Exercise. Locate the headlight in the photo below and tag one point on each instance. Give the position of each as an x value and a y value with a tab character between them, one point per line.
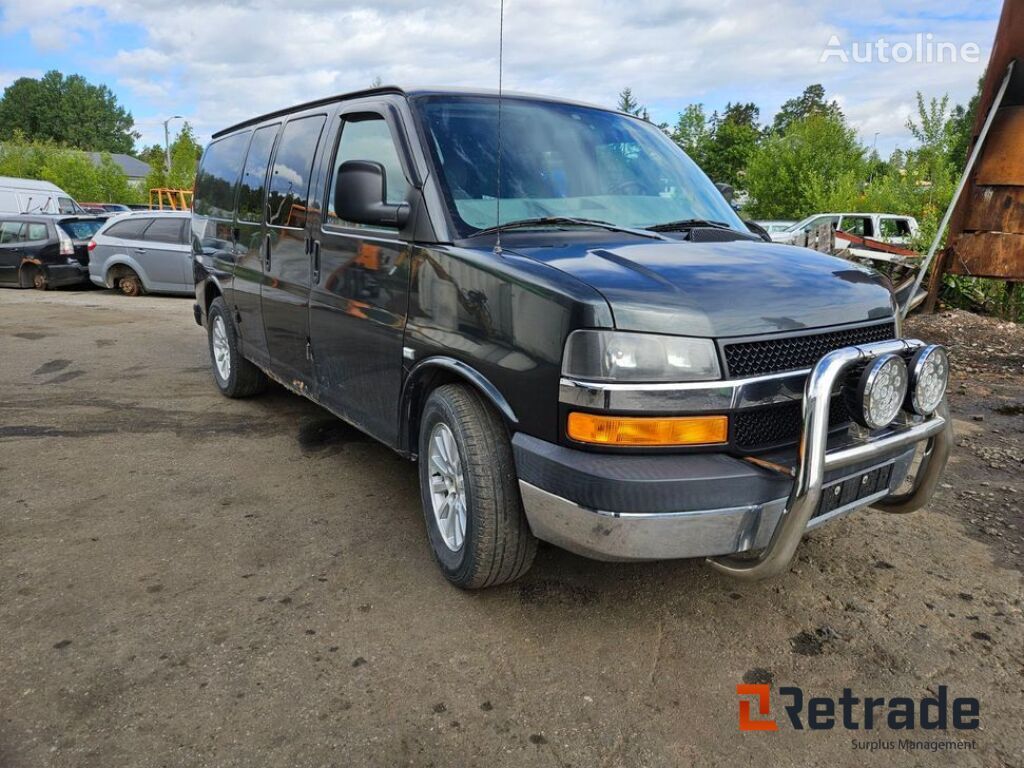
638	357
881	391
929	374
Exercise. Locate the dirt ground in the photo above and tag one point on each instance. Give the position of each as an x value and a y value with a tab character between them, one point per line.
187	580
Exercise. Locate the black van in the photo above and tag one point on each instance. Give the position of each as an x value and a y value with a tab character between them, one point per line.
621	369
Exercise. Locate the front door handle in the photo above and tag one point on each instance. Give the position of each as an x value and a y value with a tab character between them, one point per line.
316	262
266	257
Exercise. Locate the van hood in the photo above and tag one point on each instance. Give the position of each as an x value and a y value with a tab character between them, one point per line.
719	290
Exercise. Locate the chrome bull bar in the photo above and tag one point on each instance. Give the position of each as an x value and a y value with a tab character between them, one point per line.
815	460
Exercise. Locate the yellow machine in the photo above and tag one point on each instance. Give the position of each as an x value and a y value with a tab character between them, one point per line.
166	199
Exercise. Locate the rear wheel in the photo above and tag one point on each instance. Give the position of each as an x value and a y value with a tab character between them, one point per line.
474	515
235	376
39	280
130	284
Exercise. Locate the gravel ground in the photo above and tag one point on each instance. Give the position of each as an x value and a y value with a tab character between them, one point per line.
187	580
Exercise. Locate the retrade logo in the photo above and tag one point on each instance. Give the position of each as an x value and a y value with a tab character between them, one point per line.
761	694
856	713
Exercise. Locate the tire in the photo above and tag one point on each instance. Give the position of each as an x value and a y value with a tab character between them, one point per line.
235	376
130	284
496	545
39	280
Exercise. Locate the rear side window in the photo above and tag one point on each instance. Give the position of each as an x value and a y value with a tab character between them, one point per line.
129	229
862	226
81	230
218	176
11	232
895	228
293	166
254	177
166	230
37	232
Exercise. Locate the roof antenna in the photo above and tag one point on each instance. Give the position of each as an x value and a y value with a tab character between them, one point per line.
501	51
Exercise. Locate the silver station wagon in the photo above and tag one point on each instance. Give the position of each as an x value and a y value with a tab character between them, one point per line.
146	252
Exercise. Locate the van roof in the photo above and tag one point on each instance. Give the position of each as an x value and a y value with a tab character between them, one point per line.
394	89
11	181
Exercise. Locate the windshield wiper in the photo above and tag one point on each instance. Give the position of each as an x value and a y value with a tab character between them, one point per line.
684	224
554	221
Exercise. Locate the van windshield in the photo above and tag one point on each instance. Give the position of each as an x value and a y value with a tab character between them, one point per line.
562	160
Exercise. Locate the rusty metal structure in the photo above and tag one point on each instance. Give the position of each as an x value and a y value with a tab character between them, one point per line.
986	223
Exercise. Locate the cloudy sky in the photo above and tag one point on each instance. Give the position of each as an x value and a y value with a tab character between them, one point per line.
219	62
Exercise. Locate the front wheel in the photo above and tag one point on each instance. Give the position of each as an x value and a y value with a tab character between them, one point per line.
474	515
235	376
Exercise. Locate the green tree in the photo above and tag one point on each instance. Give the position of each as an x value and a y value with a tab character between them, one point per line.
693	133
68	110
961	128
629	104
185	154
734	138
811	102
791	174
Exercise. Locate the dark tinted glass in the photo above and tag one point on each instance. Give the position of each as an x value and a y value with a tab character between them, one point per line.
218	176
562	160
293	165
164	231
367	137
130	229
81	230
254	179
11	232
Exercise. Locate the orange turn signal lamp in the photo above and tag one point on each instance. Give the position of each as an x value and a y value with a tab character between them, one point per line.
648	431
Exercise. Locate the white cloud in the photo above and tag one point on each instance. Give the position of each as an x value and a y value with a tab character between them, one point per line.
232	60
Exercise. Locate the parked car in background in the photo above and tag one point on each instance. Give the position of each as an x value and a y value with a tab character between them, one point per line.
886	227
34	196
771	227
143	252
41	251
105	207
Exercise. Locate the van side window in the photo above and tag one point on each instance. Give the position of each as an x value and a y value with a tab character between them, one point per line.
367	137
130	229
293	166
218	176
254	177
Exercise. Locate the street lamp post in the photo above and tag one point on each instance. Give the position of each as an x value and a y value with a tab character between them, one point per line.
167	141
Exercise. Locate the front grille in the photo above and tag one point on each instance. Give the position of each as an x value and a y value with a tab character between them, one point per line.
779	425
791	353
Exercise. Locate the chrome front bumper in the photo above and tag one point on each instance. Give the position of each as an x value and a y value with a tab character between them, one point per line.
772	528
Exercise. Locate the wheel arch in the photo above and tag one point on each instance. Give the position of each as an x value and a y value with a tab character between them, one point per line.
114	269
429	374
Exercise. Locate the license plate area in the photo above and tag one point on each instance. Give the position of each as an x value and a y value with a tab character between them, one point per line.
846	492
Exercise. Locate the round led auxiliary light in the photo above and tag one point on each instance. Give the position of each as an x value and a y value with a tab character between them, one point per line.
881	391
929	374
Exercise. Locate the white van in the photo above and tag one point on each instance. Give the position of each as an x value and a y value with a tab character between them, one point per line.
32	196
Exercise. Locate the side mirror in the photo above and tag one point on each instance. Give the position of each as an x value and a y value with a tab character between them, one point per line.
360	196
727	191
